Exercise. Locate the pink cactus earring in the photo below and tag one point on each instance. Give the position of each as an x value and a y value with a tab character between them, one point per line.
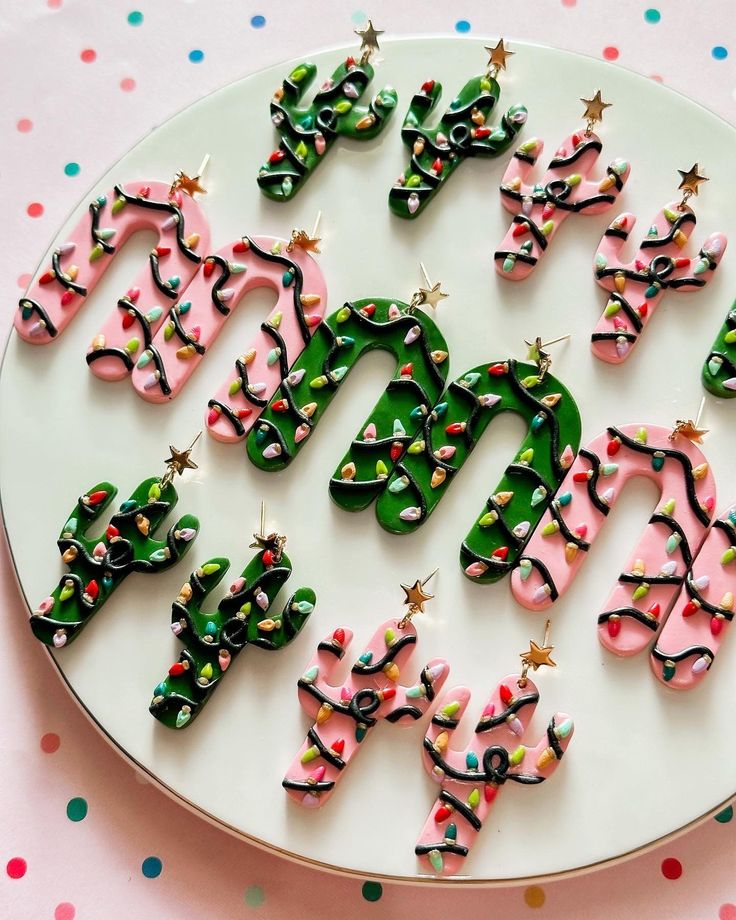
344	715
470	780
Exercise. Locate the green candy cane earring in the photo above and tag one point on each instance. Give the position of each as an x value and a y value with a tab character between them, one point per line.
465	130
308	132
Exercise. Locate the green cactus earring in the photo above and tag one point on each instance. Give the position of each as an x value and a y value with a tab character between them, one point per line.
465	130
307	132
97	567
243	617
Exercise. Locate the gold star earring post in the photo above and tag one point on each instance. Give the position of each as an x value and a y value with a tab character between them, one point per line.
690	180
415	597
178	461
594	109
368	41
190	185
430	295
497	57
537	656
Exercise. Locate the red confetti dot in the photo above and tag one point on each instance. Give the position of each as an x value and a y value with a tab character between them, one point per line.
569	2
610	53
656	77
127	84
34	209
24	125
50	741
24	280
54	4
727	912
65	911
89	55
671	868
16	867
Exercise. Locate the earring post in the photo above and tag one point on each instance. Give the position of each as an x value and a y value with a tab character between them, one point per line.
203	165
430	577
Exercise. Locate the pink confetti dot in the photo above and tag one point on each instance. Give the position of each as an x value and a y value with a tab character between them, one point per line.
610	53
656	77
569	3
50	741
54	4
727	912
16	867
23	281
34	209
89	55
65	911
24	125
127	84
671	868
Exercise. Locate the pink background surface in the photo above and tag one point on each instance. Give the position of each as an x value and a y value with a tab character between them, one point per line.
67	66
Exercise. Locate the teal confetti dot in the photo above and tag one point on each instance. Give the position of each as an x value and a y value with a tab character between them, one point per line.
135	18
195	56
652	15
723	817
258	22
76	809
372	891
462	26
151	867
254	896
71	169
358	17
719	52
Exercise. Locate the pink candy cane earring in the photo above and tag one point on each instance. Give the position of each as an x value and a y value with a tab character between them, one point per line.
565	189
344	715
636	288
470	780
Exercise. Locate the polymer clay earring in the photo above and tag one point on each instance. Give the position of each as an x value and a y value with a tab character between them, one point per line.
77	265
448	435
97	567
565	189
719	370
243	617
345	714
357	328
308	132
465	130
193	325
636	288
659	563
471	779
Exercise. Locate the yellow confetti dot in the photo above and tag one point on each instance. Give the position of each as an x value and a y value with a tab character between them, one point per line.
534	896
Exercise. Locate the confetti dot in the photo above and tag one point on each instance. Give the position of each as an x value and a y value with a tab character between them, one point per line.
358	17
258	22
719	52
534	896
151	867
23	281
71	169
372	891
89	55
16	867
54	4
723	817
34	209
569	3
50	741
652	15
671	868
195	56
135	18
254	896
656	77
127	84
727	912
610	53
65	911
462	26
76	809
24	125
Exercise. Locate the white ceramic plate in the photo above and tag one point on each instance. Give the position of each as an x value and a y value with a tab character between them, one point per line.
645	761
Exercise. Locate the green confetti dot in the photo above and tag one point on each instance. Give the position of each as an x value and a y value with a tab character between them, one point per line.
71	169
372	891
358	17
254	896
135	18
652	15
76	809
723	817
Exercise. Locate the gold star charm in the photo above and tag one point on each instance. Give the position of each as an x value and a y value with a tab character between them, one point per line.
415	596
594	108
689	429
538	656
304	241
180	460
368	40
690	180
432	295
188	184
497	56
